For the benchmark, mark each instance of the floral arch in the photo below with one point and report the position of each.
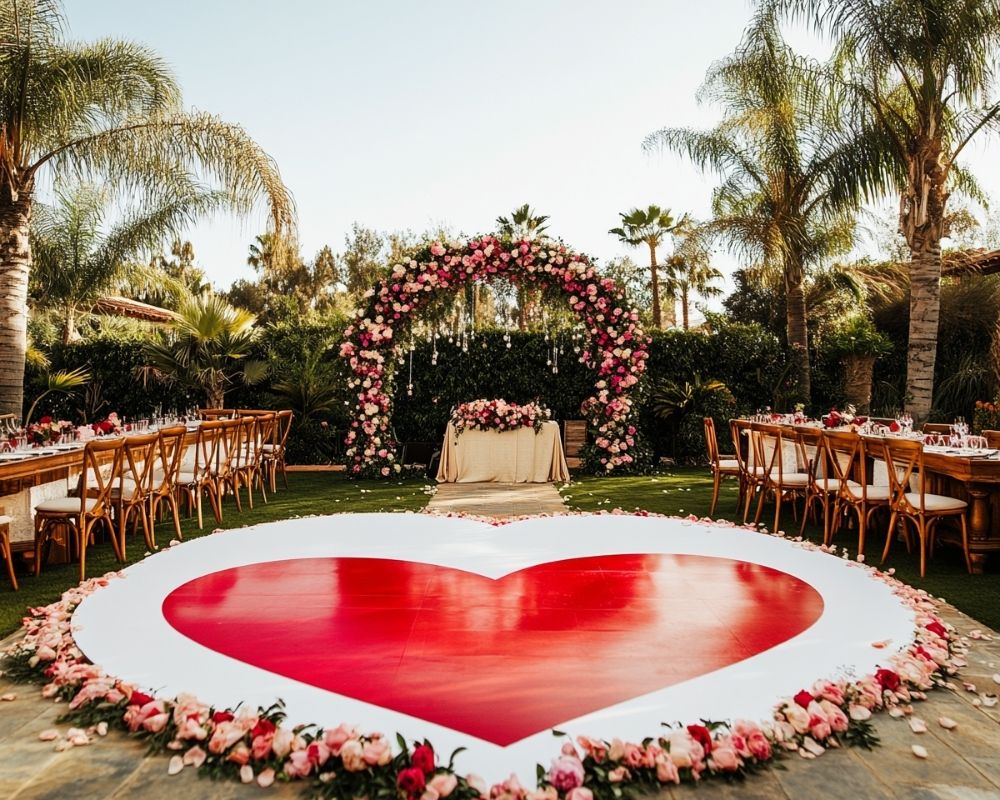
(617, 344)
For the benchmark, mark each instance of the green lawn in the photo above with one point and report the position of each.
(688, 490)
(309, 494)
(679, 491)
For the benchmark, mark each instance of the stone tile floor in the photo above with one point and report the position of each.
(962, 764)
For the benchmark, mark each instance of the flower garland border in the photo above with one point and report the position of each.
(344, 762)
(617, 348)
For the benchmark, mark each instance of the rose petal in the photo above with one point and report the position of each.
(917, 725)
(947, 723)
(918, 751)
(10, 696)
(175, 766)
(989, 700)
(48, 735)
(246, 773)
(266, 778)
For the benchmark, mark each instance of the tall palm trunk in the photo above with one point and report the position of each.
(654, 282)
(685, 306)
(69, 325)
(925, 310)
(15, 262)
(922, 222)
(797, 332)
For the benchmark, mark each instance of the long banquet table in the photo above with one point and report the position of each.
(24, 482)
(519, 456)
(972, 478)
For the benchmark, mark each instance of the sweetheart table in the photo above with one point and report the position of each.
(518, 456)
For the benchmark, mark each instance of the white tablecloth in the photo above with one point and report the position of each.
(520, 456)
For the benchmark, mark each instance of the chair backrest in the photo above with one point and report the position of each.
(992, 438)
(170, 454)
(227, 453)
(767, 442)
(99, 476)
(283, 428)
(739, 430)
(248, 444)
(846, 459)
(936, 427)
(711, 442)
(904, 458)
(139, 462)
(206, 454)
(265, 432)
(812, 451)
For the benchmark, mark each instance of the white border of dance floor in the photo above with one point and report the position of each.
(122, 628)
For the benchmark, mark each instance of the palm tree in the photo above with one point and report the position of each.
(76, 263)
(523, 224)
(207, 348)
(110, 110)
(690, 270)
(918, 79)
(650, 226)
(780, 204)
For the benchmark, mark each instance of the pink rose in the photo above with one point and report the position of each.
(282, 742)
(298, 765)
(666, 771)
(353, 756)
(725, 759)
(580, 793)
(566, 773)
(377, 753)
(443, 783)
(759, 746)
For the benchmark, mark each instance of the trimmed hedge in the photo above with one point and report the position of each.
(744, 357)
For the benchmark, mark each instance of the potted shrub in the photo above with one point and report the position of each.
(857, 343)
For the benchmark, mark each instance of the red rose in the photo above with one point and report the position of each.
(804, 698)
(702, 736)
(887, 679)
(105, 427)
(937, 628)
(263, 728)
(423, 758)
(45, 420)
(222, 716)
(411, 781)
(139, 699)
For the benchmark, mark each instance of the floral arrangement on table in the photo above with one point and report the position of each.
(344, 762)
(108, 426)
(616, 350)
(48, 431)
(498, 415)
(846, 418)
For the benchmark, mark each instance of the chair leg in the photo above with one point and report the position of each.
(197, 501)
(889, 534)
(777, 510)
(9, 558)
(922, 533)
(965, 544)
(177, 517)
(82, 534)
(717, 479)
(40, 532)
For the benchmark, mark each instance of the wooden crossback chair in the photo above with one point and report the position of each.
(751, 473)
(904, 459)
(273, 452)
(197, 475)
(721, 467)
(169, 456)
(821, 483)
(79, 515)
(849, 465)
(5, 551)
(781, 480)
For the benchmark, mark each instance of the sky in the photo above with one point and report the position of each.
(410, 115)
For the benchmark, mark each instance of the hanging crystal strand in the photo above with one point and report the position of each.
(434, 350)
(409, 385)
(555, 359)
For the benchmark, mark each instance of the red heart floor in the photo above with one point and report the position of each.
(497, 659)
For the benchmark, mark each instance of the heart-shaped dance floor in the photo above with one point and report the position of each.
(488, 637)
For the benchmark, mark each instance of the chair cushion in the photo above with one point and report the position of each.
(269, 448)
(729, 465)
(936, 502)
(128, 485)
(65, 505)
(794, 480)
(871, 492)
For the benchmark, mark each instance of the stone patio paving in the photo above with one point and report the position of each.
(962, 764)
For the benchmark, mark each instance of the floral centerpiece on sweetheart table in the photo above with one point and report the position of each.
(498, 415)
